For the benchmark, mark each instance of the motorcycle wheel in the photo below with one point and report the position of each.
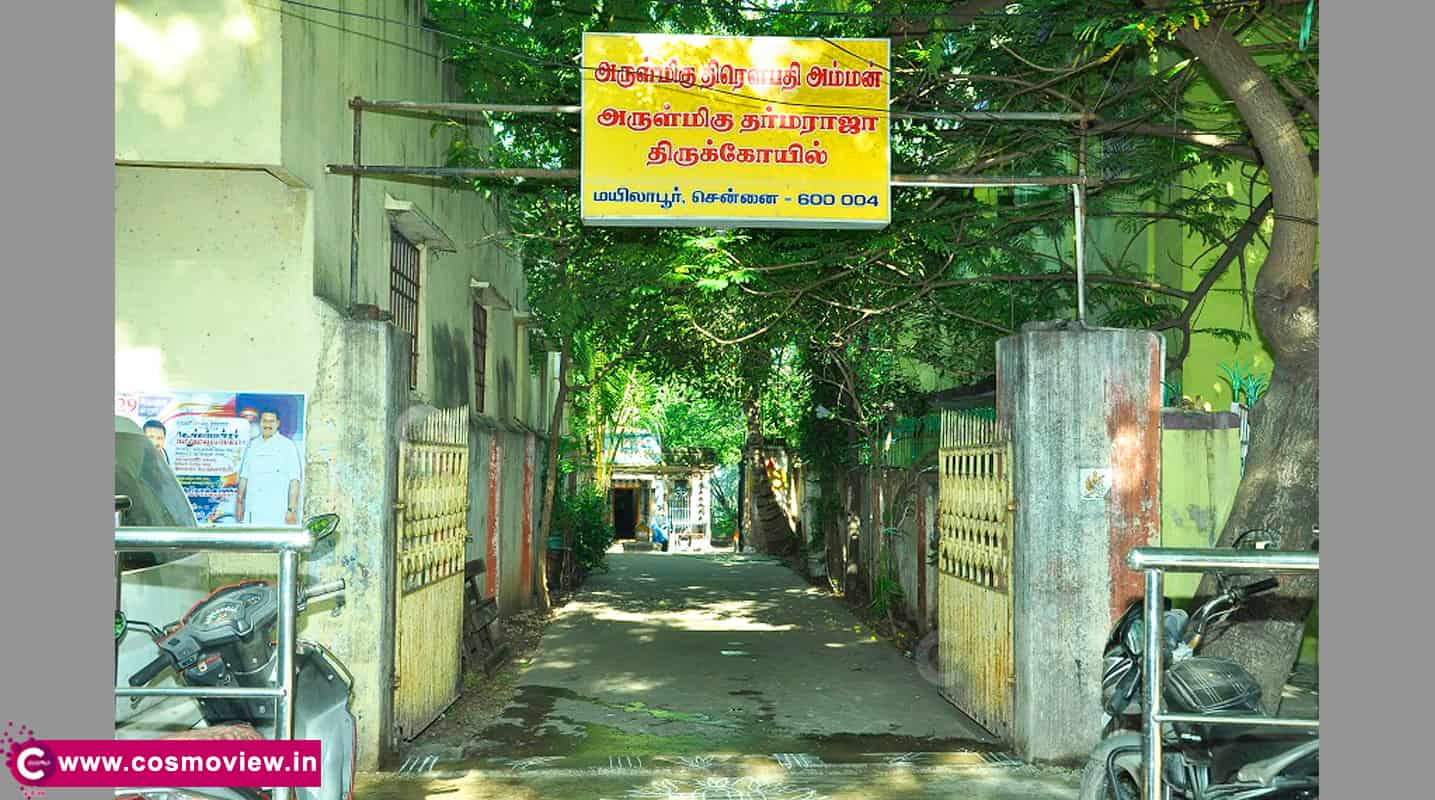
(1095, 779)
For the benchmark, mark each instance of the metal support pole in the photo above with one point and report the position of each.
(1079, 190)
(358, 106)
(1151, 687)
(1183, 559)
(240, 540)
(1262, 722)
(960, 181)
(954, 181)
(231, 692)
(502, 108)
(288, 605)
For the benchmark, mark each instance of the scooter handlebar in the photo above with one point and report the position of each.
(1264, 585)
(150, 670)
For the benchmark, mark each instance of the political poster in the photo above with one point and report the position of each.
(218, 443)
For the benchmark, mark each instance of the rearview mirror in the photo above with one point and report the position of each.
(322, 525)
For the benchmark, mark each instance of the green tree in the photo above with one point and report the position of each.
(956, 269)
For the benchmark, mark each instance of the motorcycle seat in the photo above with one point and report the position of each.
(1205, 685)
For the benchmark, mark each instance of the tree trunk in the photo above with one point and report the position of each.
(1279, 493)
(550, 475)
(753, 535)
(1280, 490)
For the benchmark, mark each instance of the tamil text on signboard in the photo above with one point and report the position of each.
(730, 132)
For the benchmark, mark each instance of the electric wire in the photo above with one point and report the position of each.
(751, 100)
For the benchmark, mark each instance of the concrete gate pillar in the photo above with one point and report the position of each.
(1085, 409)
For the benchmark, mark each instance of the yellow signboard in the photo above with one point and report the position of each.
(735, 132)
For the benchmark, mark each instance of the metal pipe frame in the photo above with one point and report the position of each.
(358, 170)
(288, 609)
(1151, 687)
(231, 692)
(358, 106)
(1078, 191)
(239, 540)
(953, 181)
(1254, 722)
(1155, 561)
(502, 108)
(288, 543)
(1184, 559)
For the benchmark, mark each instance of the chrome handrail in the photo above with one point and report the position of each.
(285, 542)
(1155, 561)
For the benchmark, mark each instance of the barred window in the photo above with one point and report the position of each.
(404, 295)
(480, 354)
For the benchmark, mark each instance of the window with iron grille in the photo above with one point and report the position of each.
(480, 353)
(404, 295)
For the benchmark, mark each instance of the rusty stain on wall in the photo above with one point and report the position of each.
(1134, 520)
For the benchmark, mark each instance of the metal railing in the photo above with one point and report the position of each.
(287, 543)
(1155, 561)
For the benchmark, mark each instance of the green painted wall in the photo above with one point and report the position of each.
(1200, 470)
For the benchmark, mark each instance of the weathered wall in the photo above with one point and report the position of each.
(1200, 470)
(485, 501)
(909, 505)
(231, 278)
(328, 60)
(513, 594)
(212, 288)
(350, 468)
(197, 81)
(1077, 400)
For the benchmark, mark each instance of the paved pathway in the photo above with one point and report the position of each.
(696, 676)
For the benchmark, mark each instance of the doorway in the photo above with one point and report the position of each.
(625, 513)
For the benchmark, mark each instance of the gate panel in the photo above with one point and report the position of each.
(975, 509)
(432, 527)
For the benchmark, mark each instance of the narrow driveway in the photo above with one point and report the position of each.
(670, 673)
(734, 648)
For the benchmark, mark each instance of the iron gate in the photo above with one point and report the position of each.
(975, 511)
(679, 508)
(432, 529)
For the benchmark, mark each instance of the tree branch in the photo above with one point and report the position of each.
(1235, 248)
(1213, 141)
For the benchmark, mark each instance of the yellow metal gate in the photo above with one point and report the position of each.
(432, 528)
(975, 509)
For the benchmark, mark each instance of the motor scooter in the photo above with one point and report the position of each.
(1199, 762)
(227, 640)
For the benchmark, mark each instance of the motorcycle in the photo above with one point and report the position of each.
(1200, 762)
(227, 640)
